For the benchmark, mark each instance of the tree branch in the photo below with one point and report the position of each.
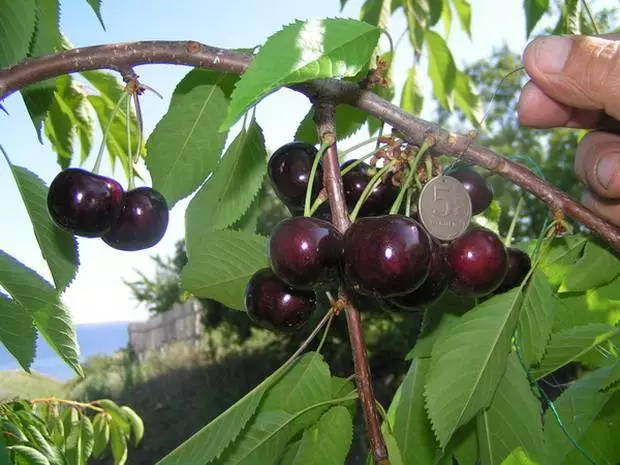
(123, 56)
(324, 118)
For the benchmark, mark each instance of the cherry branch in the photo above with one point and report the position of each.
(324, 115)
(123, 56)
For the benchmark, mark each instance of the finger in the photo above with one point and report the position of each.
(577, 71)
(597, 163)
(610, 210)
(536, 109)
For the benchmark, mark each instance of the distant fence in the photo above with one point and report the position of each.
(181, 323)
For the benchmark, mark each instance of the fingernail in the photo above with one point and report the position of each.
(607, 169)
(552, 53)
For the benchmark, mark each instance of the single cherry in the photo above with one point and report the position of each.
(84, 203)
(289, 171)
(273, 304)
(519, 265)
(142, 222)
(433, 286)
(306, 252)
(479, 262)
(381, 197)
(479, 190)
(386, 255)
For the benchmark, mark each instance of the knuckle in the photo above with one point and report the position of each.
(602, 66)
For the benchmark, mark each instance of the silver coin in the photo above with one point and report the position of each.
(444, 207)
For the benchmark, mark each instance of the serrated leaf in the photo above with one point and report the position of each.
(342, 387)
(58, 129)
(16, 29)
(463, 11)
(579, 407)
(58, 247)
(38, 99)
(377, 13)
(441, 67)
(575, 344)
(519, 457)
(96, 6)
(614, 377)
(307, 382)
(29, 455)
(513, 419)
(290, 454)
(220, 263)
(411, 99)
(17, 332)
(118, 444)
(536, 318)
(596, 267)
(88, 438)
(302, 51)
(185, 146)
(464, 444)
(229, 192)
(410, 426)
(51, 318)
(534, 11)
(137, 425)
(73, 429)
(101, 434)
(349, 120)
(47, 34)
(328, 441)
(466, 98)
(563, 253)
(392, 447)
(462, 382)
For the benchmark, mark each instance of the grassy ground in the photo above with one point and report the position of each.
(15, 384)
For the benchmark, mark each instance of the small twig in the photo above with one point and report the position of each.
(54, 400)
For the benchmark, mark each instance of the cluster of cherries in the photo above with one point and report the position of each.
(91, 205)
(385, 261)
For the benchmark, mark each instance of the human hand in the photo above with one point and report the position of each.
(575, 83)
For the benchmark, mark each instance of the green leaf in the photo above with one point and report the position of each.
(58, 247)
(563, 253)
(137, 425)
(614, 377)
(349, 120)
(307, 382)
(17, 332)
(117, 414)
(38, 99)
(536, 318)
(580, 405)
(47, 38)
(435, 10)
(466, 99)
(392, 447)
(118, 444)
(411, 426)
(50, 316)
(88, 438)
(513, 419)
(185, 146)
(101, 434)
(411, 99)
(446, 18)
(519, 457)
(441, 67)
(28, 455)
(96, 6)
(302, 51)
(290, 455)
(16, 29)
(431, 332)
(328, 441)
(220, 263)
(534, 11)
(59, 130)
(464, 444)
(570, 14)
(596, 267)
(229, 192)
(461, 382)
(73, 429)
(463, 11)
(575, 344)
(377, 12)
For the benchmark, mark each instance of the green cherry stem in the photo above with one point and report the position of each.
(376, 179)
(364, 143)
(140, 122)
(129, 155)
(106, 133)
(325, 332)
(315, 165)
(412, 171)
(513, 223)
(408, 202)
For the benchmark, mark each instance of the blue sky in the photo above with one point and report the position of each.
(98, 294)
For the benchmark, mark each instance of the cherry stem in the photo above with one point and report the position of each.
(72, 403)
(413, 166)
(374, 181)
(106, 133)
(322, 342)
(309, 189)
(408, 202)
(513, 223)
(344, 153)
(140, 122)
(129, 154)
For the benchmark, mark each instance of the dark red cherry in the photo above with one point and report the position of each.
(519, 265)
(84, 203)
(433, 286)
(479, 190)
(306, 252)
(289, 171)
(142, 222)
(273, 304)
(386, 255)
(479, 262)
(380, 199)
